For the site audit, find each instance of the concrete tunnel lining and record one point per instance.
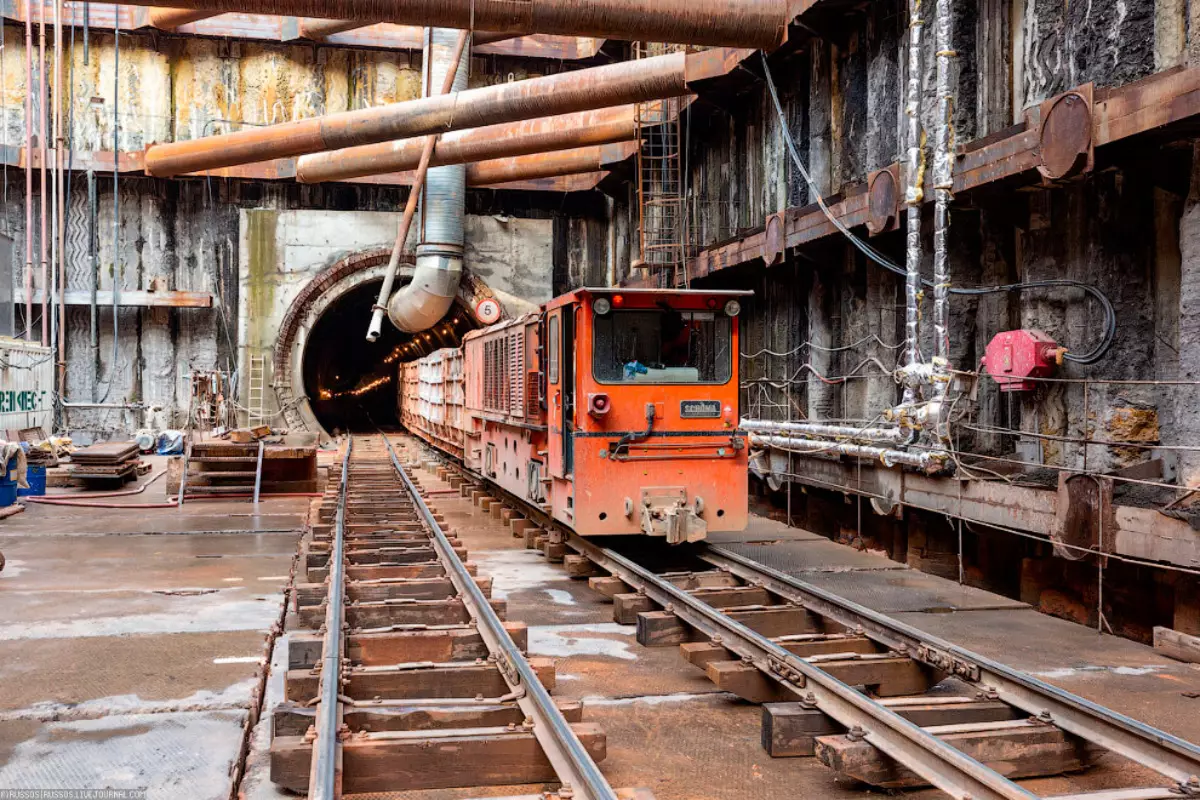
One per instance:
(333, 288)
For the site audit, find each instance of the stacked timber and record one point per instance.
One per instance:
(220, 468)
(110, 461)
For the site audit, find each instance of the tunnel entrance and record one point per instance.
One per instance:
(352, 384)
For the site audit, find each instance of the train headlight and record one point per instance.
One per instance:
(602, 306)
(733, 308)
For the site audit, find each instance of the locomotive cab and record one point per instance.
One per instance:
(642, 410)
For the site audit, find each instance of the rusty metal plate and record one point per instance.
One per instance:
(774, 240)
(883, 200)
(1065, 135)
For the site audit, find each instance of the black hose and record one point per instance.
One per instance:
(1110, 314)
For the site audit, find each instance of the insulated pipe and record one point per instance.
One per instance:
(729, 23)
(603, 126)
(168, 19)
(869, 434)
(598, 87)
(543, 165)
(924, 460)
(943, 175)
(28, 177)
(410, 206)
(45, 157)
(439, 263)
(914, 194)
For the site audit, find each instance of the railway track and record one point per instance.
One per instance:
(413, 681)
(871, 697)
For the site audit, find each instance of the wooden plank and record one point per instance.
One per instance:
(777, 620)
(293, 719)
(790, 730)
(1179, 646)
(373, 763)
(745, 681)
(398, 647)
(883, 677)
(404, 683)
(661, 629)
(609, 586)
(1031, 750)
(726, 596)
(626, 607)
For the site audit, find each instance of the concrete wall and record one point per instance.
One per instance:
(172, 88)
(283, 250)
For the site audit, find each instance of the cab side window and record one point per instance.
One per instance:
(552, 369)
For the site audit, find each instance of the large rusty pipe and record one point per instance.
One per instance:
(602, 126)
(730, 23)
(599, 87)
(168, 19)
(318, 29)
(544, 165)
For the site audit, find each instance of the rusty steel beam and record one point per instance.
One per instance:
(599, 87)
(562, 132)
(168, 19)
(1055, 138)
(732, 23)
(548, 165)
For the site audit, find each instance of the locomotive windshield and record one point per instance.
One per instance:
(662, 346)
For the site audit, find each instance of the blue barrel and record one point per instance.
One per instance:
(8, 484)
(35, 476)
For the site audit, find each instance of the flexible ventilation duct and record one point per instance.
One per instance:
(428, 297)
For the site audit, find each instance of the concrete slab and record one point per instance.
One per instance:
(538, 592)
(762, 529)
(1128, 677)
(72, 678)
(147, 562)
(812, 555)
(894, 591)
(169, 755)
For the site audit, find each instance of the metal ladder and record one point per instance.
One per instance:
(256, 395)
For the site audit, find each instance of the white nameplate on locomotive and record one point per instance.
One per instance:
(694, 409)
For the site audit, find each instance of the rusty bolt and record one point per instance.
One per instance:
(856, 734)
(716, 639)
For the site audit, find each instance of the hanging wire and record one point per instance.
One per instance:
(1110, 314)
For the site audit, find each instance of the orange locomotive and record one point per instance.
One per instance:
(613, 410)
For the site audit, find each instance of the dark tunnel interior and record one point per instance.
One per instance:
(352, 384)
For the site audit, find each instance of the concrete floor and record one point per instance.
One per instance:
(131, 640)
(130, 659)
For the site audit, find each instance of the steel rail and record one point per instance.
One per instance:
(323, 775)
(1158, 750)
(1155, 749)
(943, 765)
(570, 759)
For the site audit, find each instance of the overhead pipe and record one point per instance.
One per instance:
(28, 176)
(730, 23)
(638, 81)
(44, 150)
(562, 132)
(318, 29)
(544, 165)
(439, 262)
(410, 207)
(168, 19)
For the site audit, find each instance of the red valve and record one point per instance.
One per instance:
(1015, 357)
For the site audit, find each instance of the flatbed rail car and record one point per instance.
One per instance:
(613, 410)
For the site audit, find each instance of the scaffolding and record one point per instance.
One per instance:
(662, 212)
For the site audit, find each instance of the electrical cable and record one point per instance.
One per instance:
(1110, 315)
